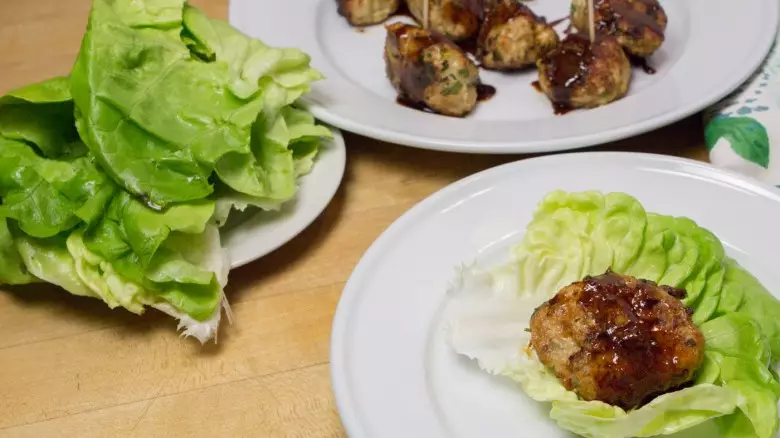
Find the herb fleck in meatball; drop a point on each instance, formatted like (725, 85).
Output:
(513, 37)
(581, 74)
(638, 25)
(618, 339)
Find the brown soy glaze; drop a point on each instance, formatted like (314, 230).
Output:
(638, 61)
(611, 12)
(414, 77)
(502, 13)
(485, 92)
(558, 21)
(567, 67)
(469, 46)
(419, 106)
(403, 11)
(629, 325)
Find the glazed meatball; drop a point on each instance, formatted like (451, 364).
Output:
(427, 69)
(367, 12)
(513, 37)
(617, 339)
(638, 25)
(457, 20)
(581, 74)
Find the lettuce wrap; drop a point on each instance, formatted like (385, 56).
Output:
(573, 235)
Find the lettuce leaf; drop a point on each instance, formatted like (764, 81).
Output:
(185, 280)
(130, 56)
(47, 197)
(576, 234)
(12, 268)
(41, 115)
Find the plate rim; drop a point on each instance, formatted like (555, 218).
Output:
(350, 297)
(340, 149)
(758, 54)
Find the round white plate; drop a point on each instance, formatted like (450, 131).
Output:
(257, 232)
(393, 374)
(712, 47)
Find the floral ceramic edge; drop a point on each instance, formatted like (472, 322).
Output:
(742, 132)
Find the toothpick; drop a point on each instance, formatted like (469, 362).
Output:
(591, 22)
(426, 12)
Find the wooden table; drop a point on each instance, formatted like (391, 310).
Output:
(70, 366)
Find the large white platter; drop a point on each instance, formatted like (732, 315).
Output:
(712, 47)
(393, 373)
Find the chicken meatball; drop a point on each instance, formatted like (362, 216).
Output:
(581, 74)
(367, 12)
(513, 37)
(427, 69)
(618, 339)
(458, 20)
(638, 25)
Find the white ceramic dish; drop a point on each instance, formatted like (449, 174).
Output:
(257, 233)
(712, 46)
(393, 373)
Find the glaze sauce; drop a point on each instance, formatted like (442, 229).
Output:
(638, 61)
(567, 67)
(403, 11)
(629, 324)
(485, 92)
(639, 14)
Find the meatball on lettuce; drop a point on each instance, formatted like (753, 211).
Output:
(617, 339)
(629, 323)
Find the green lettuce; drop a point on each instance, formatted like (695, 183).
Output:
(572, 235)
(220, 87)
(41, 115)
(47, 197)
(115, 178)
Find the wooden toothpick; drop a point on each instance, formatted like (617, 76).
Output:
(591, 21)
(426, 12)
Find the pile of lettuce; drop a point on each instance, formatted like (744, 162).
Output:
(576, 234)
(115, 179)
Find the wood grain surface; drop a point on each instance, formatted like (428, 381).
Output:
(71, 367)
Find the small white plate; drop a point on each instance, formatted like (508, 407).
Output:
(258, 232)
(393, 374)
(711, 47)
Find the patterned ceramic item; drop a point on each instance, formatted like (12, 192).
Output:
(743, 131)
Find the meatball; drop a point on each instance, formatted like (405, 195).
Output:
(458, 20)
(618, 339)
(427, 69)
(638, 25)
(581, 74)
(367, 12)
(513, 37)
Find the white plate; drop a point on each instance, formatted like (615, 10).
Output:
(712, 47)
(394, 376)
(257, 232)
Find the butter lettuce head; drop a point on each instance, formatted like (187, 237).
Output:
(114, 179)
(573, 235)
